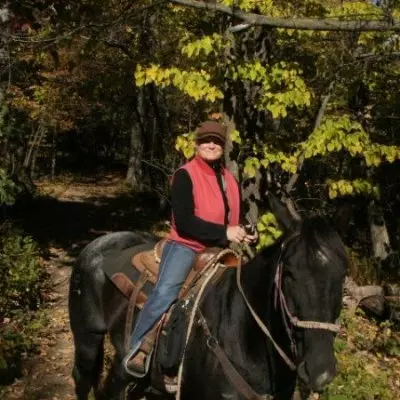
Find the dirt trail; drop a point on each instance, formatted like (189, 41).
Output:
(72, 214)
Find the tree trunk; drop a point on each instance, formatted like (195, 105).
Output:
(379, 235)
(135, 173)
(251, 196)
(54, 155)
(230, 163)
(33, 152)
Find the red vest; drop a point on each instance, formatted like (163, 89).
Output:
(208, 201)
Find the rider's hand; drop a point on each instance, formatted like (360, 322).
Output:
(236, 233)
(251, 233)
(251, 238)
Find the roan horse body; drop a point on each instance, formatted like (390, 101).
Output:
(313, 266)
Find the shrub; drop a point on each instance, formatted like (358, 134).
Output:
(387, 341)
(22, 277)
(18, 337)
(8, 189)
(21, 272)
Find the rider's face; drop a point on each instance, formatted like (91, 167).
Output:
(210, 148)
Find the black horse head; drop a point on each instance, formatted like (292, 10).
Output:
(308, 288)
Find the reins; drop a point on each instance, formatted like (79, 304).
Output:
(285, 309)
(258, 320)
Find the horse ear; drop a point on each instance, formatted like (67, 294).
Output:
(283, 213)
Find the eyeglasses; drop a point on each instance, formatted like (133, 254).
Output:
(211, 139)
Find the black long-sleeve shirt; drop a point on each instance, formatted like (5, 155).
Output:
(187, 224)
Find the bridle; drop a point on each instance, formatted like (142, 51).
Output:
(287, 315)
(280, 301)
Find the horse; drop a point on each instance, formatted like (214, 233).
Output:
(277, 325)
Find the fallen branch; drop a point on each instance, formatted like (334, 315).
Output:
(378, 300)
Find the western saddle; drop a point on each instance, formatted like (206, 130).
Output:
(147, 265)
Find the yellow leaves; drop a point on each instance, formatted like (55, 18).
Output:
(206, 45)
(277, 110)
(196, 84)
(251, 166)
(281, 85)
(235, 137)
(356, 9)
(186, 144)
(337, 133)
(344, 187)
(268, 229)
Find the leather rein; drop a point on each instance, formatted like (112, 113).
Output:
(279, 299)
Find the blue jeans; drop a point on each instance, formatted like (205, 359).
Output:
(175, 265)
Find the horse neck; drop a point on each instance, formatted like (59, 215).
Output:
(258, 285)
(258, 282)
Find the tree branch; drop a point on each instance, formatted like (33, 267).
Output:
(318, 120)
(297, 23)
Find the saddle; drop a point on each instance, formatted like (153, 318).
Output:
(147, 263)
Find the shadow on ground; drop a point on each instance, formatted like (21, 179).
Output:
(91, 208)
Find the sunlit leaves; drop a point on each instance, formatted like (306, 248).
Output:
(356, 9)
(235, 137)
(269, 230)
(195, 84)
(281, 86)
(344, 187)
(251, 165)
(337, 133)
(206, 45)
(186, 144)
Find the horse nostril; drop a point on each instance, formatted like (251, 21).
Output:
(317, 383)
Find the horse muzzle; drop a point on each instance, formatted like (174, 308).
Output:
(319, 380)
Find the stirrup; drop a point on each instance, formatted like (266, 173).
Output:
(130, 356)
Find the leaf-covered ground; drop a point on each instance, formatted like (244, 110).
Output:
(75, 211)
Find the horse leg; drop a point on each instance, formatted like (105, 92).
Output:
(117, 382)
(89, 355)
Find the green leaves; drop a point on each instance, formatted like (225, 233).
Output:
(281, 86)
(195, 84)
(268, 229)
(235, 137)
(8, 189)
(206, 45)
(251, 165)
(186, 144)
(337, 133)
(344, 187)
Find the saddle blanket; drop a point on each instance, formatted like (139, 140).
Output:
(121, 261)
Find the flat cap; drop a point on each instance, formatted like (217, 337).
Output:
(213, 129)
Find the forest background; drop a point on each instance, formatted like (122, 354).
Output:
(308, 89)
